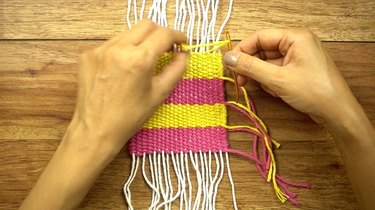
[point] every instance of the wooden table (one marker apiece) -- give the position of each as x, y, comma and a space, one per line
39, 44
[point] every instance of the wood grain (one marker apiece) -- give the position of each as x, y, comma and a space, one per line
340, 20
37, 98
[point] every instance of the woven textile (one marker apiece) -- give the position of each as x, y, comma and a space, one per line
192, 124
193, 117
188, 134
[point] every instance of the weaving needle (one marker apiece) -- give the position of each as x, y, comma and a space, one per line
234, 74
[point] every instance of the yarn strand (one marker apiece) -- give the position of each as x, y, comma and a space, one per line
182, 130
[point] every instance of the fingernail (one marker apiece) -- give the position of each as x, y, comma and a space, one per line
230, 59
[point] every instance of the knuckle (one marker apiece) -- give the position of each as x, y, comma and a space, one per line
306, 33
171, 34
138, 58
141, 53
128, 53
132, 59
147, 23
111, 54
246, 65
167, 33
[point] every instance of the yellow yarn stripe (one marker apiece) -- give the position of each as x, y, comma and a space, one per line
212, 47
199, 65
174, 116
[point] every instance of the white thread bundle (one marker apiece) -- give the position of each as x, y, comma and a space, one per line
197, 18
163, 194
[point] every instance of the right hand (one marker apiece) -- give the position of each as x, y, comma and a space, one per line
117, 89
292, 65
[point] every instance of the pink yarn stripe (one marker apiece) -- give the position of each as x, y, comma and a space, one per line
179, 140
197, 91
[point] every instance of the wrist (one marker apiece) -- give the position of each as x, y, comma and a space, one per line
70, 173
88, 144
347, 123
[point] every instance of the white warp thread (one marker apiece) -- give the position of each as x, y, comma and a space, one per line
198, 19
231, 182
201, 20
133, 172
161, 185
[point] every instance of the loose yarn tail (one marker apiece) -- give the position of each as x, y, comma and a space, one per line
267, 168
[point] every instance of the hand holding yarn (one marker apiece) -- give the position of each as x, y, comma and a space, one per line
117, 89
292, 64
117, 93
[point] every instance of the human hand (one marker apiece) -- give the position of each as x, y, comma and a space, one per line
117, 93
117, 89
292, 65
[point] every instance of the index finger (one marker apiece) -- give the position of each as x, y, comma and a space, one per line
162, 39
135, 35
267, 40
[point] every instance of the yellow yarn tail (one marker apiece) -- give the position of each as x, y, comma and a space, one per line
212, 47
271, 176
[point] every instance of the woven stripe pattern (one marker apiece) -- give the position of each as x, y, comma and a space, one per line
194, 115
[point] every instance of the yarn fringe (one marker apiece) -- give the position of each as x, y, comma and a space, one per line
267, 168
161, 167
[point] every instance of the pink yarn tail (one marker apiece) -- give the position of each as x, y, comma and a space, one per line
263, 166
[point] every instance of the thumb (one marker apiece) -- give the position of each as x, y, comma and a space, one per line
250, 66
